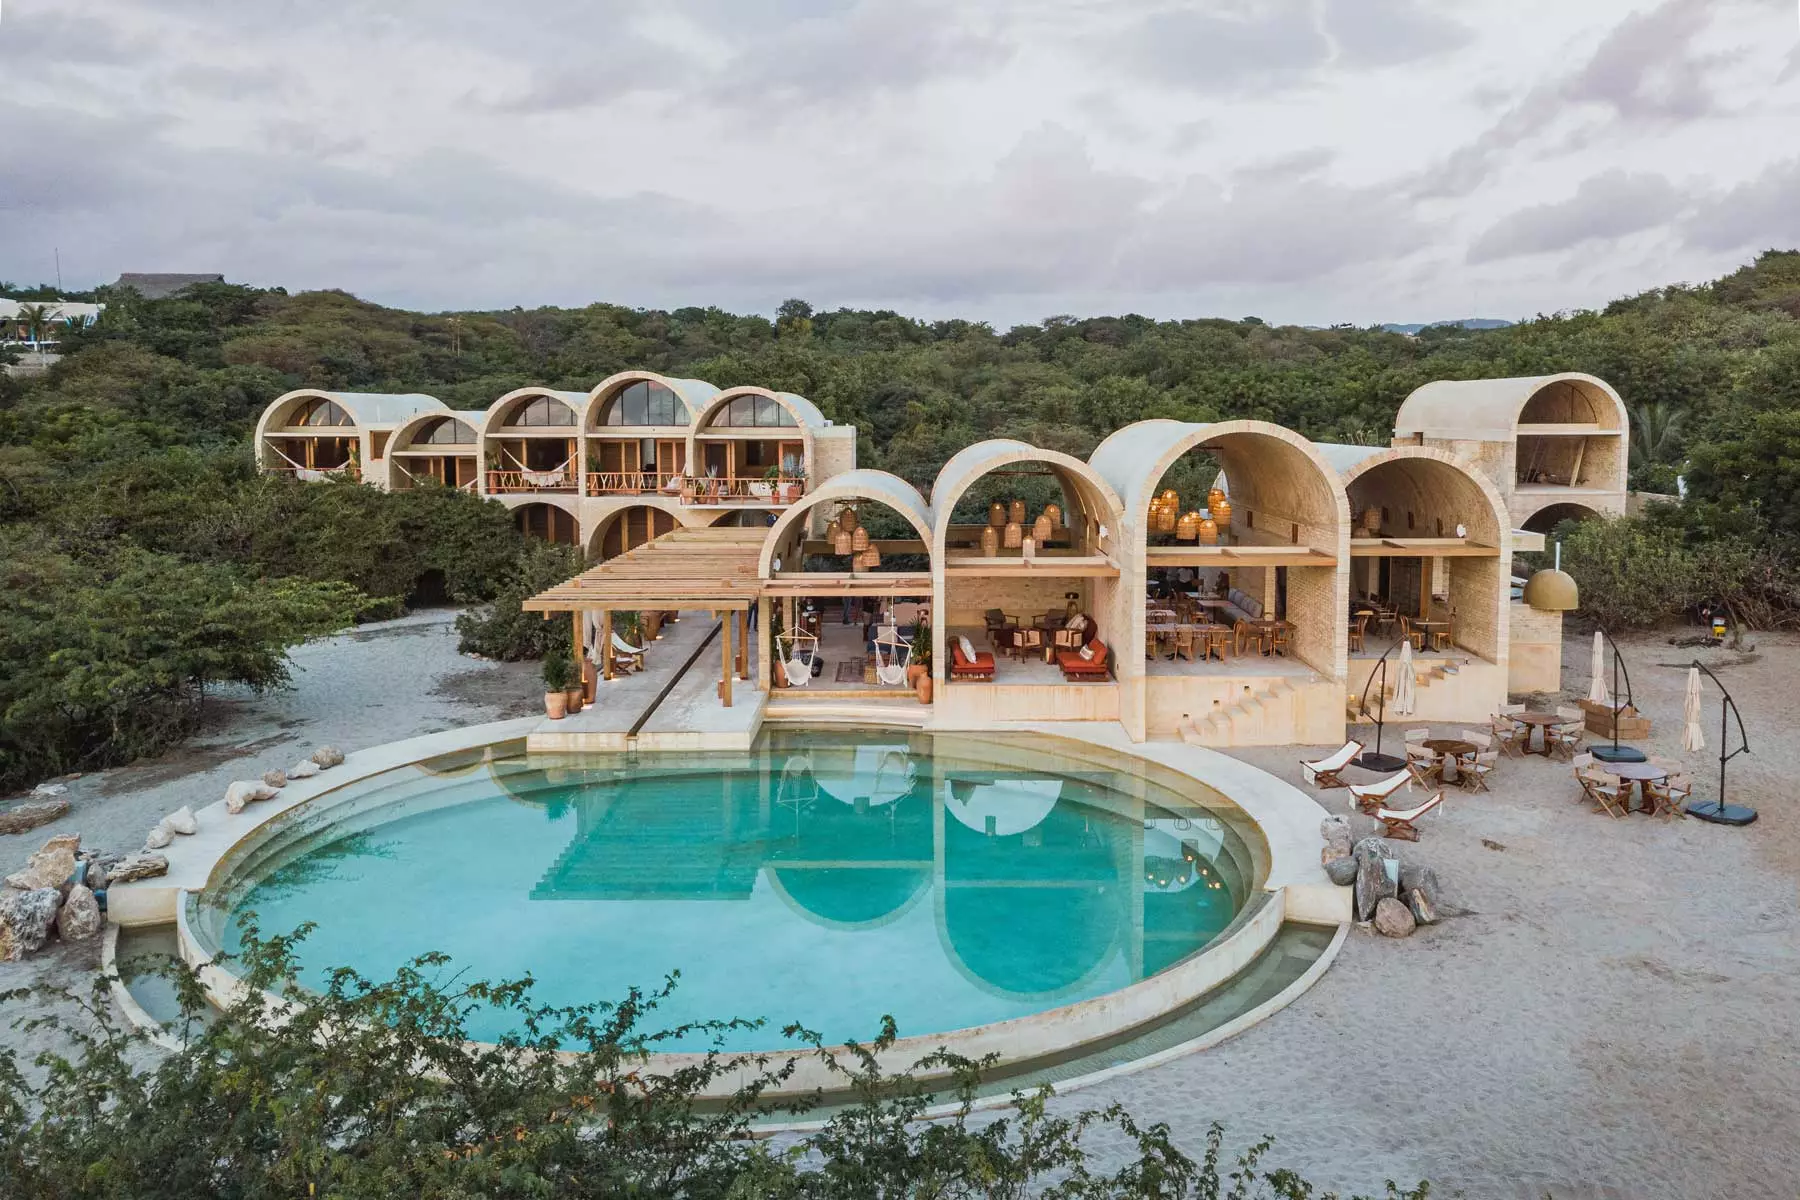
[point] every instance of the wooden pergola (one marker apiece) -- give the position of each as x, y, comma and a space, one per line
710, 570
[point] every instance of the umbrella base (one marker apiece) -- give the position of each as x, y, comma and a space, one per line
1616, 754
1722, 814
1378, 762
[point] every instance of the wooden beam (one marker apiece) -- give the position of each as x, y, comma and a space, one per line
725, 662
1048, 568
606, 646
742, 621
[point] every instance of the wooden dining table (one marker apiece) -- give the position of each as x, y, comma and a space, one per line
1428, 628
1635, 775
1543, 722
1214, 634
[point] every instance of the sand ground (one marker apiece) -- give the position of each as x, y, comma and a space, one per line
1610, 1010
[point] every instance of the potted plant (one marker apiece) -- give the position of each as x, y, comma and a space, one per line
559, 677
921, 658
795, 474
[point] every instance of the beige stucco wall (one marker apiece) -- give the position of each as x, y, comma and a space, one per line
834, 452
1535, 662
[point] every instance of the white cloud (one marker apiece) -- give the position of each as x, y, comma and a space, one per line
1604, 208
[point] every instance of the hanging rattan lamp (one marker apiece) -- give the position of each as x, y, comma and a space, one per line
990, 541
1054, 512
996, 514
870, 558
1017, 512
1208, 532
1042, 528
1188, 528
841, 541
847, 519
859, 541
1013, 535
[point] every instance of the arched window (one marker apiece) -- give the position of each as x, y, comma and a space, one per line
540, 411
644, 403
320, 411
445, 431
753, 412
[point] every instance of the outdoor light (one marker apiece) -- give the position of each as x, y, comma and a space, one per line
1553, 590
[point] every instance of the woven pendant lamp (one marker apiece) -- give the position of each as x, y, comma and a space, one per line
1208, 532
1188, 528
1054, 512
996, 514
990, 542
1017, 512
847, 520
870, 558
859, 541
841, 541
1012, 536
1042, 528
1221, 514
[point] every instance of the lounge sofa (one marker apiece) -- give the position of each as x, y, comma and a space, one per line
1244, 607
981, 666
1089, 663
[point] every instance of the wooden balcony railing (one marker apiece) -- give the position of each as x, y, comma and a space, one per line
349, 472
530, 481
630, 483
757, 491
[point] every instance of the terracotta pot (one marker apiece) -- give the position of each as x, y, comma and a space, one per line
556, 705
923, 688
913, 673
572, 700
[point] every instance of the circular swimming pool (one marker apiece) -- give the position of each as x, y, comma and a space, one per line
827, 879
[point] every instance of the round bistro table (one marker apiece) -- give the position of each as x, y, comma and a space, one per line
1637, 773
1543, 722
1453, 750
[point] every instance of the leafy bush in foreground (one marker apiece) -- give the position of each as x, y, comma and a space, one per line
368, 1090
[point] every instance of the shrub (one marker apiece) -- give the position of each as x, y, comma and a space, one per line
367, 1090
501, 629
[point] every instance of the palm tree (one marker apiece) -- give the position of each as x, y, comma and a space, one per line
1655, 433
36, 319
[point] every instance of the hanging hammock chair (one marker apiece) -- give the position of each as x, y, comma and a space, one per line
891, 670
798, 787
800, 656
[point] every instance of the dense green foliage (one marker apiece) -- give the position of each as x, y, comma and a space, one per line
132, 454
367, 1090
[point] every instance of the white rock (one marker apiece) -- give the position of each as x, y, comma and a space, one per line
160, 835
50, 789
327, 757
25, 921
182, 821
275, 777
306, 768
244, 791
80, 916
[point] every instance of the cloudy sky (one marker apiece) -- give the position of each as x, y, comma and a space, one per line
1303, 160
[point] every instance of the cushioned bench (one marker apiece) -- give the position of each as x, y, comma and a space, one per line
964, 667
1088, 663
1242, 607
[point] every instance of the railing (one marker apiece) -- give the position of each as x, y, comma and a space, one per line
349, 472
530, 481
629, 483
778, 491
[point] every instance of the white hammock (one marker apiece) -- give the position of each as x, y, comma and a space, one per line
799, 671
892, 670
556, 476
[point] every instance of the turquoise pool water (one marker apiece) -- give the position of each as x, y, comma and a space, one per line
824, 878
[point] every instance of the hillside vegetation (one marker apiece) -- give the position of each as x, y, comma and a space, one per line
143, 561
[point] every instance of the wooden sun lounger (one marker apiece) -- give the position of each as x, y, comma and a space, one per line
1400, 823
1324, 773
1373, 796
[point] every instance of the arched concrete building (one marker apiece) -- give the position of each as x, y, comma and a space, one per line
314, 434
1551, 442
442, 448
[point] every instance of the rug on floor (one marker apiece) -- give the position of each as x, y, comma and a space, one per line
851, 670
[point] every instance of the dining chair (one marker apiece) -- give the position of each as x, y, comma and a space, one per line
1278, 638
1358, 630
1474, 774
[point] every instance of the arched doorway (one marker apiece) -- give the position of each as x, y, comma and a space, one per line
1546, 519
548, 522
628, 529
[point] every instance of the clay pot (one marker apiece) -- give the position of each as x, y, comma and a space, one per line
556, 705
913, 674
923, 689
572, 700
990, 542
996, 514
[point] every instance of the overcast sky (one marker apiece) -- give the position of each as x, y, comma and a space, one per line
1310, 161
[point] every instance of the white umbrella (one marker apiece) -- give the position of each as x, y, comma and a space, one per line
1692, 739
1597, 689
1404, 698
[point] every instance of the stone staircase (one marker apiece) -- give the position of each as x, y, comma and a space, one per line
1426, 673
822, 710
1264, 717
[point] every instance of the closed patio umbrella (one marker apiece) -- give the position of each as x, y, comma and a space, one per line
1691, 737
1597, 689
1405, 698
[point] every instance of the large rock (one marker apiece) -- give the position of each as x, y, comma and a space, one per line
80, 916
25, 921
327, 757
138, 866
1415, 878
160, 835
96, 877
1362, 825
275, 777
1342, 871
183, 821
27, 817
1423, 911
49, 866
244, 791
50, 789
1372, 882
1336, 832
306, 768
1393, 919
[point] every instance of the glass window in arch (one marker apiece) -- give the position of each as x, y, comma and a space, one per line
540, 411
644, 403
445, 431
320, 411
753, 412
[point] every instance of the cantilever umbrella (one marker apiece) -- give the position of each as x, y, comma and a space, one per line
1404, 698
1692, 739
1597, 689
